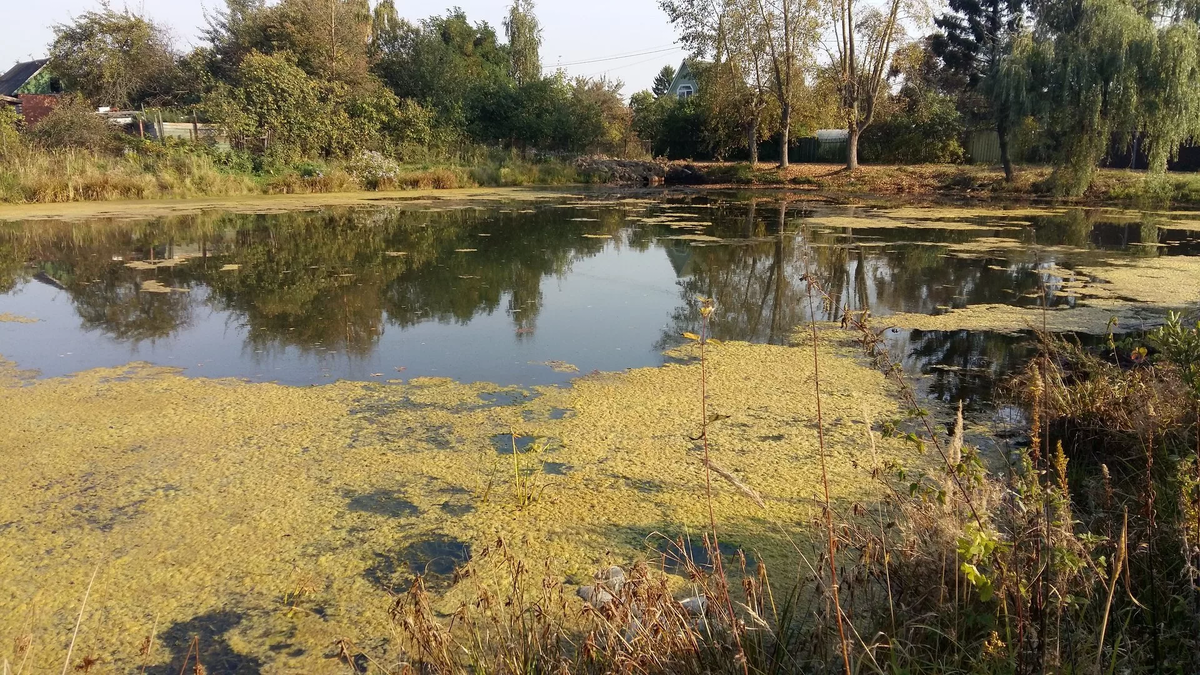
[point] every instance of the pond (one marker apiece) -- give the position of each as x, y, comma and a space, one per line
533, 292
512, 369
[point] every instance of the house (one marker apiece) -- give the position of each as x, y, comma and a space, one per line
29, 77
31, 89
684, 85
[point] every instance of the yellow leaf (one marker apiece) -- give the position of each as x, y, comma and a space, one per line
691, 336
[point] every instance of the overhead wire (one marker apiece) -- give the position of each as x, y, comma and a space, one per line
616, 57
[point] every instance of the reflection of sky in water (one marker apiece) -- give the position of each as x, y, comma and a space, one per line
317, 297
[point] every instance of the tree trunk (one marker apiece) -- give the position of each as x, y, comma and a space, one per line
852, 149
752, 139
785, 122
1005, 160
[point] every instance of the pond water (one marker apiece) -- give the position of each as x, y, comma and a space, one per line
533, 291
332, 497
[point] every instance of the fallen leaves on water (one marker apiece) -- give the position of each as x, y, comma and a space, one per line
155, 286
558, 366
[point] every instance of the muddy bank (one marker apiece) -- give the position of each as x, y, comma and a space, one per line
274, 520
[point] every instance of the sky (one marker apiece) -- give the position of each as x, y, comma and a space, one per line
630, 40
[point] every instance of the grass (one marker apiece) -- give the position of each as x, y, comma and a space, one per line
955, 180
29, 174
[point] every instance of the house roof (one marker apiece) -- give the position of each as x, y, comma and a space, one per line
18, 75
682, 75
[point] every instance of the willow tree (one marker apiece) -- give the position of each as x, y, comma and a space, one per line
1113, 70
865, 36
524, 42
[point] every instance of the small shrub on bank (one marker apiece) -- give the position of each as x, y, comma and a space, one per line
74, 125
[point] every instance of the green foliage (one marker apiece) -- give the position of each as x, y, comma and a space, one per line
1180, 346
524, 40
276, 106
924, 127
442, 61
674, 126
9, 136
1110, 69
114, 58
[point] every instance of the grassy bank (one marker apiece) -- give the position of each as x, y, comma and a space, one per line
31, 175
955, 180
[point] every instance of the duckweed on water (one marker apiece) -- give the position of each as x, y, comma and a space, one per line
1136, 292
291, 510
1011, 320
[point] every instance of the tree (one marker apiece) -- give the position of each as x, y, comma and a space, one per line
385, 27
328, 39
275, 101
1112, 69
739, 34
524, 40
114, 58
863, 49
442, 62
789, 28
975, 39
662, 81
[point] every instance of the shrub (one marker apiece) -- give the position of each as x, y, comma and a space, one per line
73, 124
9, 137
373, 170
925, 127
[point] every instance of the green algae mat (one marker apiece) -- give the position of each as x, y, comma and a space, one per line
274, 520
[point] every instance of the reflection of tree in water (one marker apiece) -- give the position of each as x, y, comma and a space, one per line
118, 307
961, 365
13, 254
331, 279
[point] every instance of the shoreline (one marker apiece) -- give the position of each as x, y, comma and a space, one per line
917, 183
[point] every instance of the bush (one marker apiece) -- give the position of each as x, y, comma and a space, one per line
73, 124
925, 127
373, 170
9, 137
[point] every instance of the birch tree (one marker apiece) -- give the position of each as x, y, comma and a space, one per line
762, 46
789, 29
865, 37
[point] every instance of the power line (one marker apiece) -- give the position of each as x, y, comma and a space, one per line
615, 58
627, 65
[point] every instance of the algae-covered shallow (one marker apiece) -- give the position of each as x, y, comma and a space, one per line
291, 513
152, 432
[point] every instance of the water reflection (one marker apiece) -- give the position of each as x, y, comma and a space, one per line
495, 292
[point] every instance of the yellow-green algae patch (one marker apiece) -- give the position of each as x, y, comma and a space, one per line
1165, 280
197, 498
1009, 319
1135, 292
879, 221
155, 208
